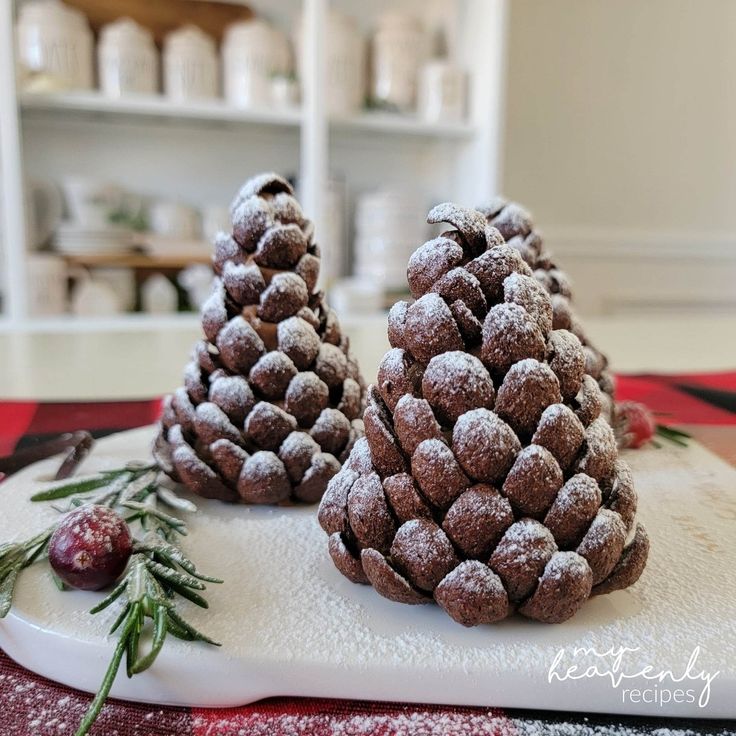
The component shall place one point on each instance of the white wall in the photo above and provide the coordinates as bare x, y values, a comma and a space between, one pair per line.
621, 138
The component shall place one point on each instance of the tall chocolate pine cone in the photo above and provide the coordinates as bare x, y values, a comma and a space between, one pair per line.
517, 227
487, 479
272, 397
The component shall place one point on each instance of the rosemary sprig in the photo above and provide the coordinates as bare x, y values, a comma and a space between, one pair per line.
676, 436
157, 576
14, 558
147, 591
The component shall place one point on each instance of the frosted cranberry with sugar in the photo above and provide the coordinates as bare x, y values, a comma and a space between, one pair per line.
635, 424
90, 548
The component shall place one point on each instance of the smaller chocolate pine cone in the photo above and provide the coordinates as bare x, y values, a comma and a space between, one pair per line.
272, 397
488, 480
516, 225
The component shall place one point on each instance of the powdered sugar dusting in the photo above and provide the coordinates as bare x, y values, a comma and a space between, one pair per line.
96, 527
528, 538
296, 333
37, 707
284, 606
372, 719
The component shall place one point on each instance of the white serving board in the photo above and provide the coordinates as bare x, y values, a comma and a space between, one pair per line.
290, 624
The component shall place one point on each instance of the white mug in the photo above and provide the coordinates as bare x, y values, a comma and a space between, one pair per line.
92, 297
158, 295
173, 219
121, 281
91, 202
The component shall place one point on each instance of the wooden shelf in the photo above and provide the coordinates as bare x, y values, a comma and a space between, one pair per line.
153, 107
135, 260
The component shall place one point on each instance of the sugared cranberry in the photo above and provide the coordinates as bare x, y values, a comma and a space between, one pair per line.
635, 424
90, 548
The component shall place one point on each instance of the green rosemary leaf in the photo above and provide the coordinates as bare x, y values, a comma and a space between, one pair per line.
138, 468
170, 575
176, 502
134, 636
179, 631
64, 490
12, 557
668, 430
170, 521
159, 636
136, 579
673, 435
58, 582
111, 598
138, 488
156, 594
187, 593
119, 620
7, 587
191, 631
169, 554
206, 578
104, 691
40, 550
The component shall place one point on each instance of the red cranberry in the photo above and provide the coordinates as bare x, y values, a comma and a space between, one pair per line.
90, 548
636, 425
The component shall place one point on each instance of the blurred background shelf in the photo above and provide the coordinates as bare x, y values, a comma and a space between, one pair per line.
95, 106
198, 153
397, 124
136, 260
131, 322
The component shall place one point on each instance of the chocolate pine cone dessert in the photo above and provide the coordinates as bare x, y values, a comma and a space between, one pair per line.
487, 480
272, 397
516, 226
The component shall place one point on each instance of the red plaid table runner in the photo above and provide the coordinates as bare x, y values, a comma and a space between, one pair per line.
33, 706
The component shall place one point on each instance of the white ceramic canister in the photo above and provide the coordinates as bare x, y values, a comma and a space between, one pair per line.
47, 285
127, 59
346, 63
190, 65
253, 51
442, 92
56, 40
400, 47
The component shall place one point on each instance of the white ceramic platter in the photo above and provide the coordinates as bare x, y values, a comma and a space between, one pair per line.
290, 624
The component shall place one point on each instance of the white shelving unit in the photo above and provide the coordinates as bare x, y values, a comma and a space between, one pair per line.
201, 153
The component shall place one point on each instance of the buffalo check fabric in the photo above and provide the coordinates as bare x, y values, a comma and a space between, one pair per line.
33, 706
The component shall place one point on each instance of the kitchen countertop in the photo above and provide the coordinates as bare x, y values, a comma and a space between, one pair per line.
143, 363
